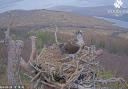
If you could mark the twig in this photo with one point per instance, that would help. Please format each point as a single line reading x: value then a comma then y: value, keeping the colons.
x: 33, y: 79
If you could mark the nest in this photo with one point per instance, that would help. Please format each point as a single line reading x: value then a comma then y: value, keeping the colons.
x: 55, y: 70
x: 63, y: 70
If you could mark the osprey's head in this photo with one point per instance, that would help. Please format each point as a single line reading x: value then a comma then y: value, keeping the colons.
x: 79, y: 38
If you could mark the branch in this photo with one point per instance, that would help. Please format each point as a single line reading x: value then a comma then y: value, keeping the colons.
x: 56, y: 38
x: 33, y: 79
x: 99, y: 52
x: 24, y: 65
x: 33, y: 53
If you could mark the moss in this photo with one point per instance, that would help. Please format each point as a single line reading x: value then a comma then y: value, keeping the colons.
x: 44, y: 37
x: 108, y: 75
x: 24, y: 77
x: 105, y: 74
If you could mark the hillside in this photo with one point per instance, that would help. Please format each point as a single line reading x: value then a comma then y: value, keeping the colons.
x: 47, y: 18
x: 26, y: 20
x: 101, y: 11
x: 97, y: 11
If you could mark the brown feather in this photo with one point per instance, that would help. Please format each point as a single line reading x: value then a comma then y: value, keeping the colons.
x: 69, y: 48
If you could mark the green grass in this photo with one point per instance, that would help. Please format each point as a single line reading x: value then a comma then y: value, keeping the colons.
x: 105, y: 74
x: 108, y: 75
x: 43, y: 38
x: 24, y: 77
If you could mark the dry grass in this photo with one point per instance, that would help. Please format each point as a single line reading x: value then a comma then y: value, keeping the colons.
x: 124, y: 35
x: 112, y: 44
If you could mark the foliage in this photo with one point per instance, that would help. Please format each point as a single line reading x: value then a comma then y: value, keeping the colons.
x: 105, y: 74
x: 24, y: 77
x: 44, y: 37
x: 112, y: 44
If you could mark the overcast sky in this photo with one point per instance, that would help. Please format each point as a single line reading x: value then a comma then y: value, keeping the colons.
x: 43, y: 4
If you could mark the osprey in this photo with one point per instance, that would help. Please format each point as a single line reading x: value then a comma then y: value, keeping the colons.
x: 72, y: 47
x: 68, y: 48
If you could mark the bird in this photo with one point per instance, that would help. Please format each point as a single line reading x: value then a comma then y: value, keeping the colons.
x: 68, y: 48
x: 74, y: 46
x: 79, y: 38
x: 71, y: 48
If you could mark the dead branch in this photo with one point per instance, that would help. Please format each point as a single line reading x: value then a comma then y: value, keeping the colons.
x: 56, y: 38
x: 33, y: 53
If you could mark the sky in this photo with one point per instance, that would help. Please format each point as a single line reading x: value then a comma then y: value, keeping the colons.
x: 6, y: 5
